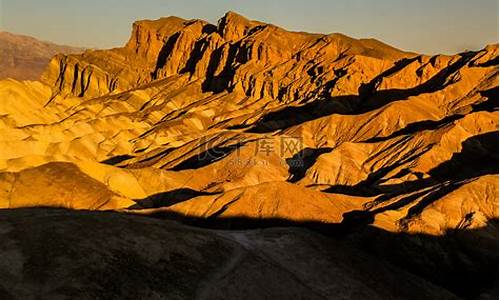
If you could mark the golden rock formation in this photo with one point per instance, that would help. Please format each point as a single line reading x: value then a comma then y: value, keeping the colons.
x: 246, y: 119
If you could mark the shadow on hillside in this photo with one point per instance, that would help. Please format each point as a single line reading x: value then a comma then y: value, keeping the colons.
x: 205, y: 158
x: 490, y: 63
x: 463, y: 261
x: 372, y: 99
x: 302, y: 161
x: 115, y: 160
x: 218, y: 83
x: 151, y: 158
x: 165, y: 53
x: 479, y: 156
x: 416, y: 127
x: 368, y: 98
x: 169, y: 198
x: 295, y: 115
x: 209, y: 156
x: 168, y: 48
x: 491, y: 103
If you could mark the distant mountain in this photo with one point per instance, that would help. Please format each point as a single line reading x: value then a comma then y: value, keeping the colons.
x: 25, y: 58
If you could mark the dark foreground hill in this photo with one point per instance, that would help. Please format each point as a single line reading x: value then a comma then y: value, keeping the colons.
x: 61, y: 254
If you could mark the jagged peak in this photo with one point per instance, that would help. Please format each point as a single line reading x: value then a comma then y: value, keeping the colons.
x: 234, y: 16
x: 148, y: 34
x: 233, y: 26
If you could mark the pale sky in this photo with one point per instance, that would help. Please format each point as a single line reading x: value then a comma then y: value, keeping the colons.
x: 425, y: 26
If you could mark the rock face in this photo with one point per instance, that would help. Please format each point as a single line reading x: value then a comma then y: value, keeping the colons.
x: 25, y: 58
x: 259, y: 60
x: 244, y: 123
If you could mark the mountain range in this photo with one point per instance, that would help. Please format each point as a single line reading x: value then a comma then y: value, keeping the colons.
x: 385, y: 160
x: 25, y: 58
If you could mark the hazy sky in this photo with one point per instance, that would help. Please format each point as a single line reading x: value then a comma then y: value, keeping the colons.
x: 427, y: 26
